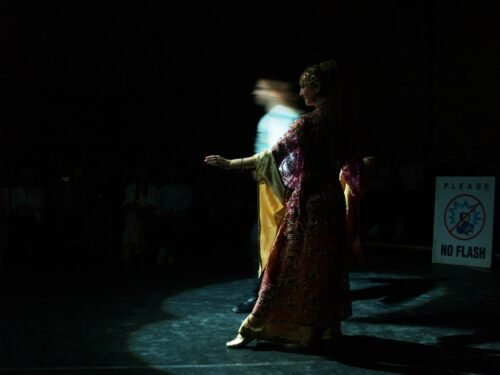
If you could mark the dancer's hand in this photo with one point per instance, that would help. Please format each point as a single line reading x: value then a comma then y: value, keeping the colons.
x: 218, y: 161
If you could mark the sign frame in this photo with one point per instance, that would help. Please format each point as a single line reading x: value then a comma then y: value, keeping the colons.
x: 463, y: 220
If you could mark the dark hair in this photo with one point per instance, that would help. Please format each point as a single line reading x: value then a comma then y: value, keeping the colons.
x: 326, y: 77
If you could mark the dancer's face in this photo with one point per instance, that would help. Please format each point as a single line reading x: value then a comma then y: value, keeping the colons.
x: 309, y: 94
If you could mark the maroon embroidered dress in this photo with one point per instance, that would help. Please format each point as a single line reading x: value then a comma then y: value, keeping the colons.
x: 305, y: 286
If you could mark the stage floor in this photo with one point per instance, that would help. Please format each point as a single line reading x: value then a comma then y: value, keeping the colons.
x: 409, y: 316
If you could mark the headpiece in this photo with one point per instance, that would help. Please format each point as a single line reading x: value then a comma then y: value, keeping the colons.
x: 319, y: 72
x: 308, y: 78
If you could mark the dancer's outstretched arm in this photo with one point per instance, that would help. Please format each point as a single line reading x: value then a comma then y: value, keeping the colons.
x: 223, y: 163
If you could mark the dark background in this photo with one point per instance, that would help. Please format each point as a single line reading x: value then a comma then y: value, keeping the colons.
x: 100, y: 85
x: 422, y: 74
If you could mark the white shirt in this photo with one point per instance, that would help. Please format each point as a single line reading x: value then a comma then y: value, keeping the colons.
x: 273, y: 125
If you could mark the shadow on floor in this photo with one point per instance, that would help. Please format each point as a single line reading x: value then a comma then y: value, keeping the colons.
x: 401, y: 357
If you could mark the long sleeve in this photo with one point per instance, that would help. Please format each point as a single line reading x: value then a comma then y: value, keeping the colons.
x: 354, y: 174
x: 352, y: 177
x: 289, y: 141
x: 271, y: 203
x: 288, y: 154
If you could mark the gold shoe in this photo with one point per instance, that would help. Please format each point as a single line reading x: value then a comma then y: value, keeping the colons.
x: 238, y: 342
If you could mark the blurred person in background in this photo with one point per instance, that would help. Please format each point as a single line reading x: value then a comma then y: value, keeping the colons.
x: 281, y: 106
